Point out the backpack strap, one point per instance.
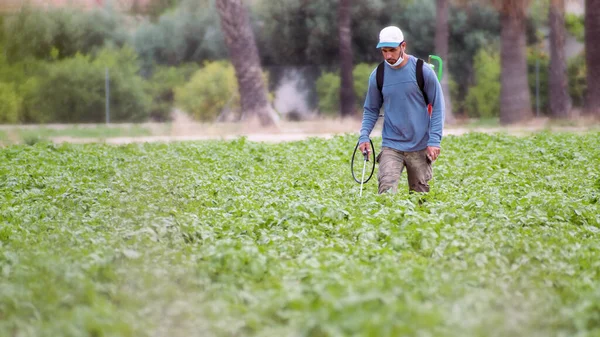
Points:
(379, 76)
(421, 82)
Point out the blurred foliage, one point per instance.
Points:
(171, 39)
(21, 79)
(328, 91)
(19, 72)
(575, 26)
(471, 29)
(154, 8)
(577, 79)
(74, 90)
(211, 89)
(10, 103)
(191, 33)
(361, 74)
(293, 32)
(161, 87)
(328, 88)
(454, 89)
(60, 33)
(483, 98)
(543, 58)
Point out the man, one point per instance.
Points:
(412, 131)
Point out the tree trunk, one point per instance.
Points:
(346, 63)
(559, 91)
(592, 56)
(239, 37)
(515, 101)
(442, 33)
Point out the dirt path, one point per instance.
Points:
(294, 136)
(184, 129)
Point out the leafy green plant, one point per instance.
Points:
(224, 238)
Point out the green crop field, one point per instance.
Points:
(247, 239)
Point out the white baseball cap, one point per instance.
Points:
(390, 37)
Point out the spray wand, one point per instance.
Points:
(365, 154)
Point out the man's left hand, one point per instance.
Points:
(433, 152)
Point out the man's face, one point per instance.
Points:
(393, 54)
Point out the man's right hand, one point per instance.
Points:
(365, 147)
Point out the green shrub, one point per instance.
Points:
(483, 98)
(29, 91)
(328, 91)
(22, 78)
(129, 101)
(10, 104)
(18, 72)
(575, 26)
(161, 87)
(74, 90)
(328, 88)
(62, 31)
(361, 74)
(210, 90)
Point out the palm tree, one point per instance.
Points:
(515, 101)
(558, 79)
(239, 37)
(442, 34)
(592, 55)
(345, 33)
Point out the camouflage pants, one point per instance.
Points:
(391, 164)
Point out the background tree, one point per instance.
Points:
(347, 97)
(558, 79)
(442, 34)
(239, 37)
(515, 101)
(592, 55)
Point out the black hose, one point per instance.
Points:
(372, 168)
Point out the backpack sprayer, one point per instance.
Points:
(380, 85)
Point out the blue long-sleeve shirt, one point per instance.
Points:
(407, 125)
